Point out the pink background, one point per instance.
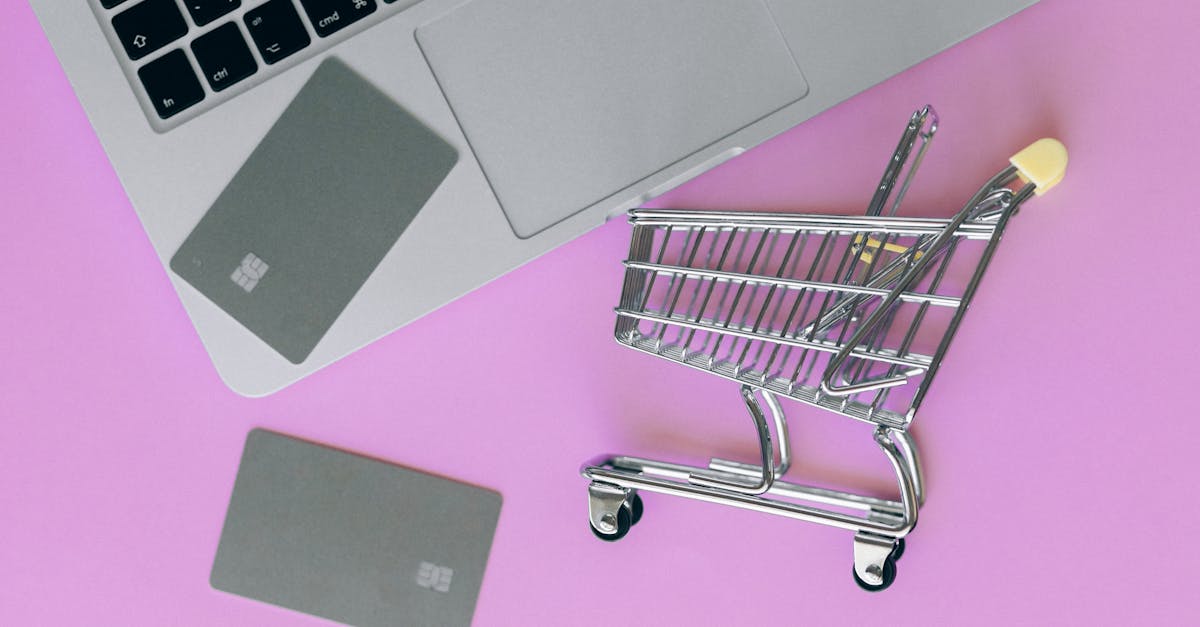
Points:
(1060, 439)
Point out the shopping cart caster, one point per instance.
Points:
(898, 550)
(875, 561)
(887, 576)
(612, 511)
(636, 508)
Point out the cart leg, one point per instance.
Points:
(767, 472)
(612, 510)
(781, 432)
(875, 555)
(908, 471)
(908, 451)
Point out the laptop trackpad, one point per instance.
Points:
(567, 102)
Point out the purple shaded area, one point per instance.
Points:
(1059, 438)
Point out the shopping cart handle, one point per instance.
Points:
(866, 385)
(1043, 163)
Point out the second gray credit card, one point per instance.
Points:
(351, 538)
(313, 210)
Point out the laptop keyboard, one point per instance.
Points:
(188, 56)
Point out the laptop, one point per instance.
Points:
(317, 173)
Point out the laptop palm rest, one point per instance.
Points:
(567, 102)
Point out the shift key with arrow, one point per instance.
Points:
(148, 26)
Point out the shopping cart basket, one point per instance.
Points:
(850, 314)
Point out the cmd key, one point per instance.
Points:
(330, 16)
(148, 26)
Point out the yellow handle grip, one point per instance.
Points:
(1043, 163)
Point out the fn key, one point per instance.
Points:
(171, 83)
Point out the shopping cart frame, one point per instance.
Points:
(879, 525)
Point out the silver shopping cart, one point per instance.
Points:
(850, 314)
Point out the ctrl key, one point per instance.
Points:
(171, 83)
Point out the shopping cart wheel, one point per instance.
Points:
(889, 575)
(612, 510)
(898, 550)
(624, 522)
(635, 508)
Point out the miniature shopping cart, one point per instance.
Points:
(851, 314)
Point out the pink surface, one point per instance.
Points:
(1059, 439)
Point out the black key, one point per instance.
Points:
(276, 29)
(171, 83)
(205, 11)
(148, 26)
(108, 4)
(330, 16)
(223, 56)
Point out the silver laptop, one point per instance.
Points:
(318, 173)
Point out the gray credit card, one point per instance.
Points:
(313, 210)
(353, 539)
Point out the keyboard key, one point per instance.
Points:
(108, 4)
(171, 83)
(223, 56)
(205, 11)
(277, 30)
(148, 26)
(330, 16)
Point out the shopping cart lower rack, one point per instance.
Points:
(849, 314)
